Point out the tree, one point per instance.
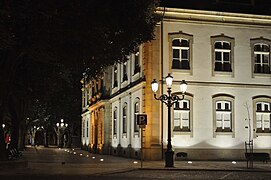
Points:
(79, 34)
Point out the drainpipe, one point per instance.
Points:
(162, 80)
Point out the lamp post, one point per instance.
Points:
(169, 99)
(60, 126)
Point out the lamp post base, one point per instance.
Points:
(169, 158)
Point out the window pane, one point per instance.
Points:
(227, 106)
(184, 43)
(176, 53)
(257, 47)
(219, 106)
(259, 107)
(265, 48)
(266, 107)
(184, 54)
(226, 45)
(218, 45)
(257, 58)
(226, 57)
(185, 105)
(265, 58)
(176, 42)
(218, 56)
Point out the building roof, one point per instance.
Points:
(258, 7)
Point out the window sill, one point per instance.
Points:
(226, 133)
(263, 133)
(261, 75)
(182, 71)
(223, 73)
(179, 132)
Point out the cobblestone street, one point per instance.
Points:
(54, 163)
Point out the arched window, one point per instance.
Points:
(115, 114)
(182, 116)
(222, 54)
(124, 119)
(223, 116)
(223, 105)
(136, 111)
(115, 76)
(262, 114)
(180, 53)
(261, 58)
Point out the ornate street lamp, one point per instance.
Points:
(169, 99)
(60, 126)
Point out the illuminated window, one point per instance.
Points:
(182, 116)
(87, 129)
(115, 76)
(136, 61)
(223, 114)
(136, 110)
(83, 128)
(124, 119)
(115, 121)
(124, 75)
(262, 114)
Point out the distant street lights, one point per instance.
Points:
(169, 99)
(61, 127)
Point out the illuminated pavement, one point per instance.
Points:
(58, 163)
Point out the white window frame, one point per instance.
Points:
(124, 118)
(136, 111)
(115, 122)
(261, 41)
(180, 35)
(183, 115)
(265, 115)
(224, 39)
(223, 99)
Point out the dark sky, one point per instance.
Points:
(261, 7)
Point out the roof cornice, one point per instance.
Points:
(214, 16)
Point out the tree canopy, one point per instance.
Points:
(45, 46)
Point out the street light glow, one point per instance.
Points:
(169, 80)
(169, 99)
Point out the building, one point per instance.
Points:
(224, 57)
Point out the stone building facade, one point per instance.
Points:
(225, 59)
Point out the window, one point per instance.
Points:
(181, 54)
(124, 119)
(115, 121)
(223, 116)
(136, 110)
(115, 76)
(260, 55)
(222, 54)
(182, 116)
(262, 114)
(223, 105)
(87, 129)
(92, 89)
(83, 129)
(136, 61)
(261, 58)
(124, 75)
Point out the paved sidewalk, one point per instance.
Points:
(42, 160)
